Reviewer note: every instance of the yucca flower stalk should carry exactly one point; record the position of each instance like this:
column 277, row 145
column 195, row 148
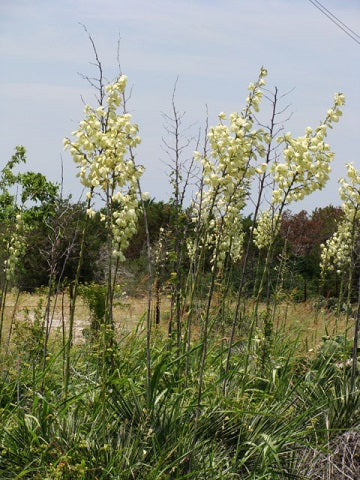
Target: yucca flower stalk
column 227, row 170
column 102, row 149
column 340, row 252
column 305, row 169
column 15, row 251
column 262, row 173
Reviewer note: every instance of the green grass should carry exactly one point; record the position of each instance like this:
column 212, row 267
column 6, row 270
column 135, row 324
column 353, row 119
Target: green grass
column 107, row 427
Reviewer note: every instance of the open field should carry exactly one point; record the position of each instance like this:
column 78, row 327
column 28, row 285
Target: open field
column 300, row 322
column 128, row 312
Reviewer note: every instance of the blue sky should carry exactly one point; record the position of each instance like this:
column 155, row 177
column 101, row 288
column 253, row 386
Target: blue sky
column 215, row 47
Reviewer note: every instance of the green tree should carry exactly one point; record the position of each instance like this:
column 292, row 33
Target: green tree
column 28, row 193
column 304, row 234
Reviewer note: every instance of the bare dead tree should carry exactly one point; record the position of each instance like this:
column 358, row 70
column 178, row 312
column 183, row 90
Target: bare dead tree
column 182, row 174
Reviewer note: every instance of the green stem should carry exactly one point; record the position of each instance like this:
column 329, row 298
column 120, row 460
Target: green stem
column 2, row 307
column 69, row 342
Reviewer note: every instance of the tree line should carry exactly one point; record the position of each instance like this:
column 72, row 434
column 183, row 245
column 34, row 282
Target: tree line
column 53, row 224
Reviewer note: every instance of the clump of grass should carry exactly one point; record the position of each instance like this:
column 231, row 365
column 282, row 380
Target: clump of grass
column 259, row 429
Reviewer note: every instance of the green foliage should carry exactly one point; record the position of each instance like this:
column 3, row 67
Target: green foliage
column 29, row 334
column 304, row 234
column 258, row 430
column 29, row 194
column 8, row 180
column 95, row 297
column 159, row 216
column 53, row 244
column 29, row 191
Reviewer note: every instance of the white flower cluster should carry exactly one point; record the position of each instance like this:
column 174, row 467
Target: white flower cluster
column 226, row 173
column 124, row 222
column 268, row 226
column 233, row 244
column 101, row 150
column 338, row 250
column 307, row 159
column 16, row 248
column 160, row 253
column 227, row 231
column 350, row 192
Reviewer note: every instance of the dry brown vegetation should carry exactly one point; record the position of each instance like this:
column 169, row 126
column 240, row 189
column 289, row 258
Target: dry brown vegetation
column 300, row 322
column 128, row 312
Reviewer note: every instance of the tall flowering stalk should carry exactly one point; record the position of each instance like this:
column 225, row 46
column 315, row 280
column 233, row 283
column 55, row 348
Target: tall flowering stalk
column 340, row 252
column 16, row 248
column 234, row 152
column 304, row 169
column 337, row 253
column 15, row 251
column 306, row 160
column 261, row 170
column 227, row 170
column 102, row 149
column 181, row 173
column 226, row 173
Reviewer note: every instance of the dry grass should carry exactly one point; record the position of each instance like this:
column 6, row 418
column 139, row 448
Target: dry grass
column 303, row 322
column 339, row 461
column 129, row 313
column 298, row 320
